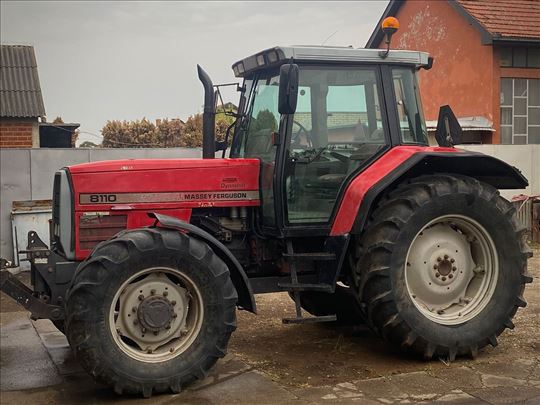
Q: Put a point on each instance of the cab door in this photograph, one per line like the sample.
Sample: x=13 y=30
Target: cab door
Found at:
x=338 y=129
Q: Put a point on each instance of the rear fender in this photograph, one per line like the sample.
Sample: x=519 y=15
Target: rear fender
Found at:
x=405 y=162
x=246 y=300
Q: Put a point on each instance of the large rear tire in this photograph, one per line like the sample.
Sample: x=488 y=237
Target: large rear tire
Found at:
x=443 y=266
x=150 y=310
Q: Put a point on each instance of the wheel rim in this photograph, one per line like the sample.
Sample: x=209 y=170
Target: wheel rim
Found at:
x=451 y=269
x=156 y=314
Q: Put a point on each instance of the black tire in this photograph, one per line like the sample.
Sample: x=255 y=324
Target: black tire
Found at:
x=95 y=284
x=342 y=303
x=380 y=275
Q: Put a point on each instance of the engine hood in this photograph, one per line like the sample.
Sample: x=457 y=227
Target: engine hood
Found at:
x=165 y=183
x=159 y=164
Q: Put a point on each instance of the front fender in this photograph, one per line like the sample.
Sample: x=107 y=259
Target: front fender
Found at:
x=246 y=300
x=404 y=162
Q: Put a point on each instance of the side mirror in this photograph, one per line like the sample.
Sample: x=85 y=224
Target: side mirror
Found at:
x=288 y=88
x=449 y=131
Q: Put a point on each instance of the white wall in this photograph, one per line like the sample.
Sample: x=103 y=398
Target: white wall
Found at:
x=525 y=157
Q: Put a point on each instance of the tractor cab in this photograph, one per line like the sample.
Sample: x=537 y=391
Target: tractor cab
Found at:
x=316 y=117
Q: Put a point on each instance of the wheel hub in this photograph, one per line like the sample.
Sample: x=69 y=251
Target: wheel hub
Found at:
x=155 y=313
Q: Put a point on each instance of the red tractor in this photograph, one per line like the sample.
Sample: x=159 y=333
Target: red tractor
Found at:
x=331 y=193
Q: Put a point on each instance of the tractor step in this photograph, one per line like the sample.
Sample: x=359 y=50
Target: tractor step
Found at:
x=317 y=256
x=311 y=319
x=306 y=287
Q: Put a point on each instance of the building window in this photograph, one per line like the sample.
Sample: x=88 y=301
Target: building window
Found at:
x=520 y=57
x=520 y=111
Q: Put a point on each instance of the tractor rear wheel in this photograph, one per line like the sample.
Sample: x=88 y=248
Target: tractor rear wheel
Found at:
x=443 y=266
x=342 y=303
x=150 y=310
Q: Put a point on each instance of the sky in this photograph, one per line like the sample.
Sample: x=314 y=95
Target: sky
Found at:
x=101 y=61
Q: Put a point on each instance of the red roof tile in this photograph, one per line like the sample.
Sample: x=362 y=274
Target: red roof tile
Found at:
x=506 y=18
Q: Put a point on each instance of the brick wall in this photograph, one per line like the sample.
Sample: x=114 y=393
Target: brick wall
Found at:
x=16 y=134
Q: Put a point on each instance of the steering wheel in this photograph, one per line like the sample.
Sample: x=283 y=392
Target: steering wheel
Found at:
x=295 y=139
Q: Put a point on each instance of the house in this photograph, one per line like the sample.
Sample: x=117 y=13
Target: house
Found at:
x=21 y=102
x=487 y=63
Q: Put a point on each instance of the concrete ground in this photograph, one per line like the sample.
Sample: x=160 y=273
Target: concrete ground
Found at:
x=271 y=363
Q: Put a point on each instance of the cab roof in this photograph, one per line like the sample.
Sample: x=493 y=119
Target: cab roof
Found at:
x=325 y=54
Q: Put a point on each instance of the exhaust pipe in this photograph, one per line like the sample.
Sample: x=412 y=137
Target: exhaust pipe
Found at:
x=209 y=115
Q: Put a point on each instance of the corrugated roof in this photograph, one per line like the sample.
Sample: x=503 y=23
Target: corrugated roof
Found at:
x=20 y=92
x=506 y=18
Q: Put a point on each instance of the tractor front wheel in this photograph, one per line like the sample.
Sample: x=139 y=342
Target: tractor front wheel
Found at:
x=443 y=266
x=150 y=310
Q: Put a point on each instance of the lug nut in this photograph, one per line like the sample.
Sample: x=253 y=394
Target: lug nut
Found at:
x=439 y=259
x=435 y=266
x=446 y=257
x=175 y=315
x=149 y=351
x=135 y=322
x=152 y=291
x=454 y=268
x=450 y=275
x=437 y=275
x=134 y=309
x=452 y=260
x=165 y=293
x=168 y=327
x=443 y=279
x=173 y=303
x=155 y=333
x=141 y=297
x=171 y=349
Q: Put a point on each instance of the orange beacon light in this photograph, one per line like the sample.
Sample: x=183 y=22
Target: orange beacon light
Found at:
x=390 y=25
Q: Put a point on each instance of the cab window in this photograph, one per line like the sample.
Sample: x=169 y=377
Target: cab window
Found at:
x=411 y=119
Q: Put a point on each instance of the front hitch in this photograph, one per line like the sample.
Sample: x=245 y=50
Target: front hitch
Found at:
x=51 y=276
x=24 y=296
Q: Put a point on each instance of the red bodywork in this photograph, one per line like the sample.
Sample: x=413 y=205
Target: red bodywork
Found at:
x=114 y=195
x=358 y=188
x=175 y=187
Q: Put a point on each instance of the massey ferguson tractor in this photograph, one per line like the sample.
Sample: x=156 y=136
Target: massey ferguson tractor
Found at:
x=331 y=193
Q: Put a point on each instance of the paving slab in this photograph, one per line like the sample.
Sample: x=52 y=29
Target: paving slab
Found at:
x=520 y=368
x=417 y=386
x=25 y=362
x=458 y=397
x=344 y=393
x=461 y=377
x=507 y=395
x=58 y=347
x=251 y=387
